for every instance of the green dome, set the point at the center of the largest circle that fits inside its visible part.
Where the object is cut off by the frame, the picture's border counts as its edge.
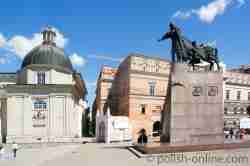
(48, 55)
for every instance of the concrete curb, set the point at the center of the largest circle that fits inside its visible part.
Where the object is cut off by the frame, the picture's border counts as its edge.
(137, 153)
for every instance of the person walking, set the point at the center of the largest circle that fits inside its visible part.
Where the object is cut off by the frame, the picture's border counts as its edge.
(14, 149)
(143, 139)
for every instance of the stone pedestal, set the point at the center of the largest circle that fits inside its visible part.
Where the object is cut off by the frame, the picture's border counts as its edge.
(194, 114)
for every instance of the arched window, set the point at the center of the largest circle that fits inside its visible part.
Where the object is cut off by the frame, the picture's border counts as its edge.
(156, 129)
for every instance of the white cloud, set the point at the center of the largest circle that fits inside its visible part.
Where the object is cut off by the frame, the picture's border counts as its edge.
(21, 45)
(208, 13)
(60, 40)
(77, 60)
(215, 8)
(3, 60)
(183, 15)
(6, 58)
(2, 40)
(104, 57)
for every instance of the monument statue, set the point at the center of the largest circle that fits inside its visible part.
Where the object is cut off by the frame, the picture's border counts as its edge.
(184, 50)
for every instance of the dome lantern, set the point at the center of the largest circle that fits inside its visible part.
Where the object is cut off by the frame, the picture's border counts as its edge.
(49, 36)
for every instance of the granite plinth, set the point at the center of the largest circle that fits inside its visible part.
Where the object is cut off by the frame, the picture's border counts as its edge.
(157, 148)
(195, 112)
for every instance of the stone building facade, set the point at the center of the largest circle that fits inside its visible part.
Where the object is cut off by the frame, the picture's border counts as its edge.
(44, 100)
(137, 89)
(236, 96)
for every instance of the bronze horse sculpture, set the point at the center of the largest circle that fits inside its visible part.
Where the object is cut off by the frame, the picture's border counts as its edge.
(188, 51)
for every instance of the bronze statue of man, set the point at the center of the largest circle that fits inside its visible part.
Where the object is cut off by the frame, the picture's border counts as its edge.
(187, 51)
(177, 44)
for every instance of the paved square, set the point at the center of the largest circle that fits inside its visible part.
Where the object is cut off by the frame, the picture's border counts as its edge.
(115, 155)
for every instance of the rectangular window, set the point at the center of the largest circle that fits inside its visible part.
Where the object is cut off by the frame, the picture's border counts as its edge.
(225, 111)
(144, 67)
(238, 95)
(227, 94)
(157, 68)
(41, 77)
(40, 104)
(152, 89)
(44, 105)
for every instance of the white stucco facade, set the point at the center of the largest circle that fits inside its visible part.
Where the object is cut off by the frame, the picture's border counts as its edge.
(63, 118)
(52, 76)
(44, 100)
(112, 128)
(57, 118)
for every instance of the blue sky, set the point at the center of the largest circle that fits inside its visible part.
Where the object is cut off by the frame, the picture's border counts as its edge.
(100, 33)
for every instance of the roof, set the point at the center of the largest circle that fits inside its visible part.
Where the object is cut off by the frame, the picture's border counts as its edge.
(48, 55)
(8, 77)
(38, 89)
(148, 57)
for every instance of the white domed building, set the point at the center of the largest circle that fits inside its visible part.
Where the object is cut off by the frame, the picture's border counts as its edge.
(45, 99)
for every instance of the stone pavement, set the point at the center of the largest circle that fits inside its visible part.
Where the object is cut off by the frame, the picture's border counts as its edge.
(97, 155)
(35, 155)
(112, 155)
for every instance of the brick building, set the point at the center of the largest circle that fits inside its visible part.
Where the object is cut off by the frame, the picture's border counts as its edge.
(138, 88)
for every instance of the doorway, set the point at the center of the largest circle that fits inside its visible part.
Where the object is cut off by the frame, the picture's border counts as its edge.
(101, 132)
